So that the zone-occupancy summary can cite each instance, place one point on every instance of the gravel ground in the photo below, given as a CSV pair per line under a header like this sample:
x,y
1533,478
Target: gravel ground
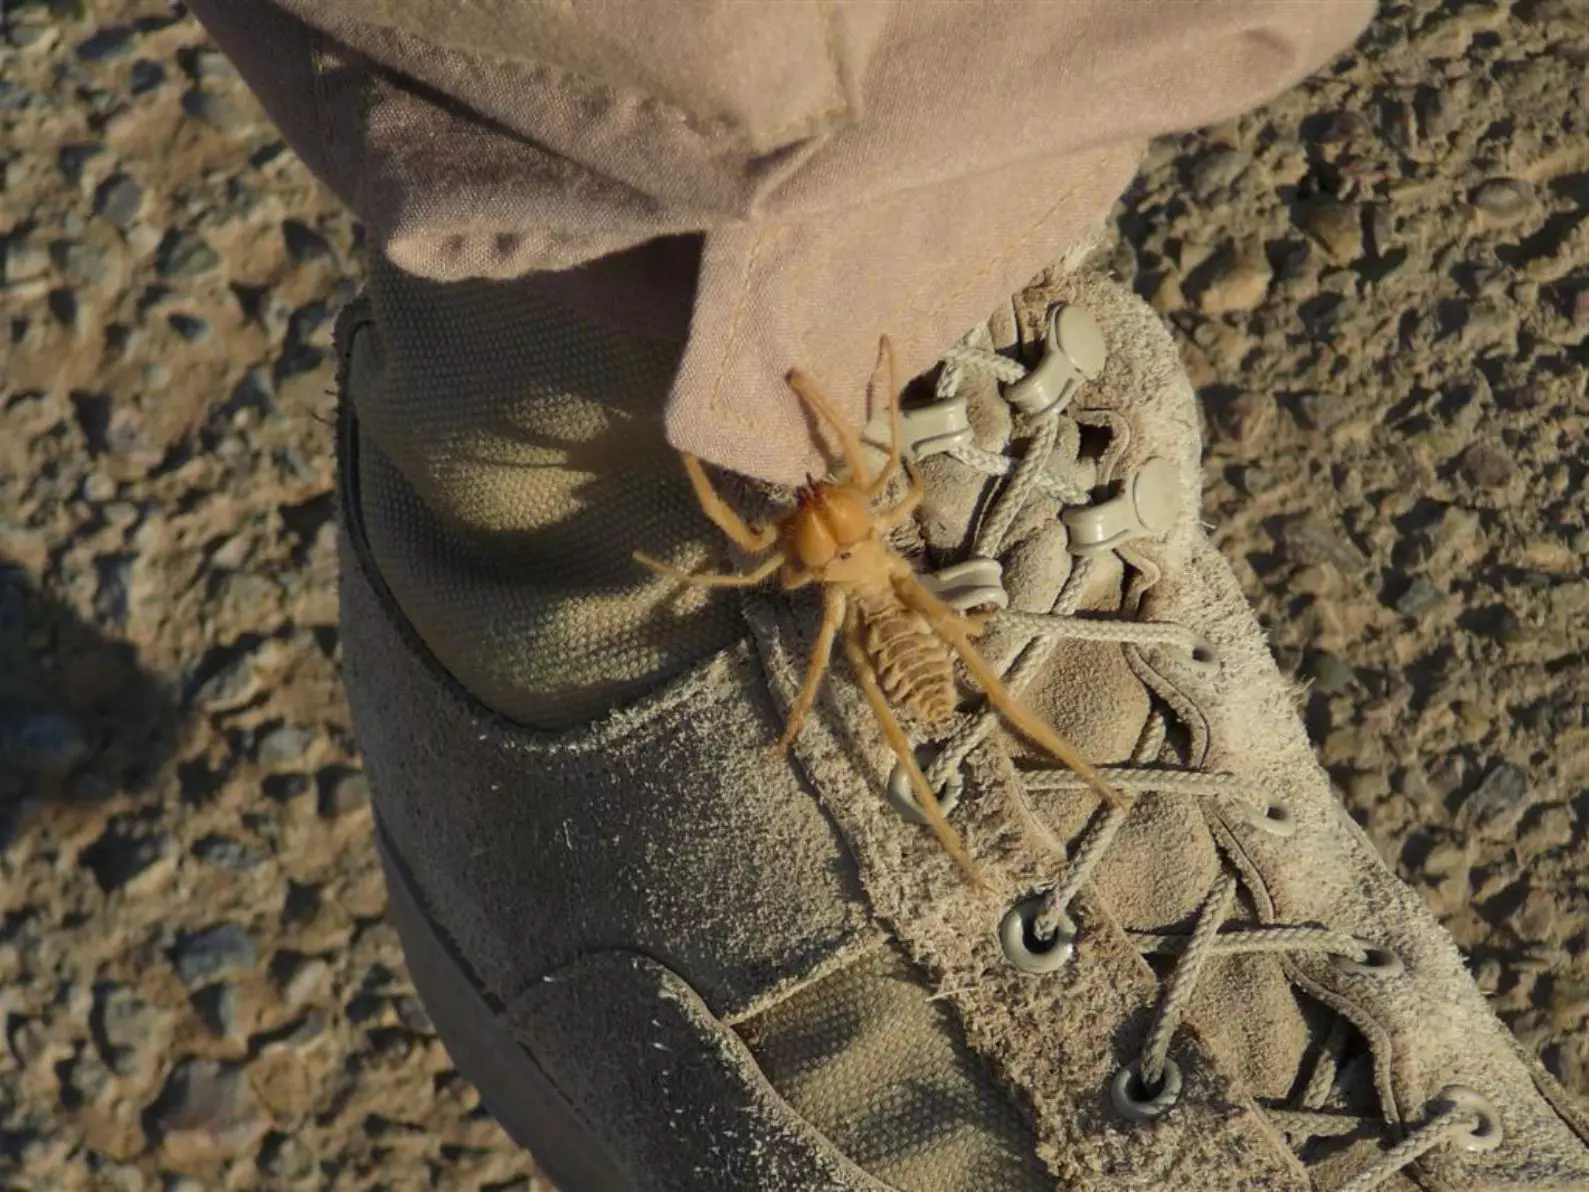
x,y
1381,283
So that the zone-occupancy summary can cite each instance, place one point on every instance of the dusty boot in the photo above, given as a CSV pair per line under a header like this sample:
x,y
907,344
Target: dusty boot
x,y
671,960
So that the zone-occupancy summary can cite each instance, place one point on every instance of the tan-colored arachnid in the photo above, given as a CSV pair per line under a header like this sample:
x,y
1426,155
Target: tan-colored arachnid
x,y
900,638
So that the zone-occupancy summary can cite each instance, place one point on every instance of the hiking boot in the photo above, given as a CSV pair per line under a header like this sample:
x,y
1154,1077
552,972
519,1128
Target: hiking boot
x,y
671,959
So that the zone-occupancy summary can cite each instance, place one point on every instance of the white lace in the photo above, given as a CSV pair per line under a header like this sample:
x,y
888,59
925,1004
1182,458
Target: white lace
x,y
1049,466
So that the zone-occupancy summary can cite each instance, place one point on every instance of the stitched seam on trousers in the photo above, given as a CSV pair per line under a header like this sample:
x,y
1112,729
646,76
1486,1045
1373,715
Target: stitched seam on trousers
x,y
735,331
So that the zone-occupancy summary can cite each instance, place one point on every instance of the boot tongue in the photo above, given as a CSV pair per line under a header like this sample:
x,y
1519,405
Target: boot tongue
x,y
1087,691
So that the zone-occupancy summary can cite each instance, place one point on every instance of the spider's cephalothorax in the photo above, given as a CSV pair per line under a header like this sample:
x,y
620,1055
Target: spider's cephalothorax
x,y
899,637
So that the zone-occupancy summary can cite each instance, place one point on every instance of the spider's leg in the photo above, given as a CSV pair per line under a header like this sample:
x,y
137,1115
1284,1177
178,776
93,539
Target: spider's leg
x,y
949,624
885,351
899,514
708,579
725,519
833,606
900,744
854,459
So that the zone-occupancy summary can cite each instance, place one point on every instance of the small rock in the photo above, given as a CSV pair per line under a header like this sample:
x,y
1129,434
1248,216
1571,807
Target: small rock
x,y
71,159
213,952
343,793
145,75
1505,201
1235,279
189,327
310,981
226,853
283,744
1217,170
1499,800
126,1027
1310,540
1338,228
1331,675
216,1006
81,264
1486,467
183,254
411,1013
235,683
208,1107
1420,597
114,41
42,743
304,243
220,112
118,200
206,63
1245,419
24,262
1337,128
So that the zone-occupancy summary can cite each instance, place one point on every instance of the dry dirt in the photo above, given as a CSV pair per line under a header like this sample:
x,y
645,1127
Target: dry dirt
x,y
1381,282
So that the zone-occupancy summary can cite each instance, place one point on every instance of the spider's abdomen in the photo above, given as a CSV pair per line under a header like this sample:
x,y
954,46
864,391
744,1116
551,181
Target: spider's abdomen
x,y
913,664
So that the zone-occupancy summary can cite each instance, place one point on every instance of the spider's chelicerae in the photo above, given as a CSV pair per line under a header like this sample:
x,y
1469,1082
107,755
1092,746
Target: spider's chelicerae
x,y
900,637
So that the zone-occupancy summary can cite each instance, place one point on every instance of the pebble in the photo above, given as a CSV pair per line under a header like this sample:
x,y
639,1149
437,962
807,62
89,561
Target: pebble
x,y
310,981
213,952
1420,597
283,744
343,793
114,41
1244,419
80,264
145,76
216,1006
24,261
1236,279
126,1027
1505,201
118,200
1309,540
304,243
189,327
207,1106
71,159
183,254
1217,170
225,853
220,112
1331,675
1485,466
1498,801
235,683
1338,228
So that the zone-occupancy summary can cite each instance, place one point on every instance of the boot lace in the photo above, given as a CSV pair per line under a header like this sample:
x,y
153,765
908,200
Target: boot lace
x,y
1050,463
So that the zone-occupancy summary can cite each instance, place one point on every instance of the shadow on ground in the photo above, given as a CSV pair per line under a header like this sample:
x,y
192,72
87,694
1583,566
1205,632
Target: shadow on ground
x,y
80,719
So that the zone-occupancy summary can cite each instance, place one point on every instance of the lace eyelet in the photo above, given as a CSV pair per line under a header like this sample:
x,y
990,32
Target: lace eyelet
x,y
1276,819
1136,1103
1489,1133
1376,962
902,797
1027,950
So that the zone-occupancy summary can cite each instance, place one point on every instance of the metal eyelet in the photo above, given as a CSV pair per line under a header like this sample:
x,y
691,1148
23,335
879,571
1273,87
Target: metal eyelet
x,y
1139,1104
1030,952
1488,1134
1275,820
1376,962
902,796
